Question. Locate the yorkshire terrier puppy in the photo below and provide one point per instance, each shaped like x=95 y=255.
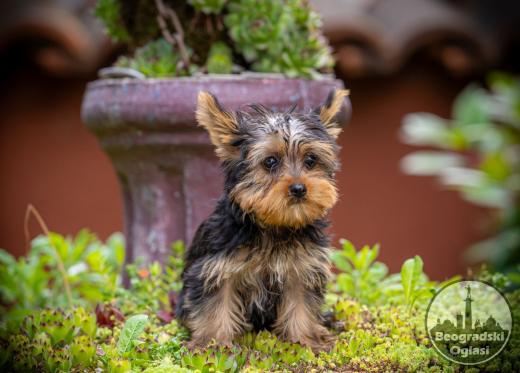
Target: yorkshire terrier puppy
x=260 y=261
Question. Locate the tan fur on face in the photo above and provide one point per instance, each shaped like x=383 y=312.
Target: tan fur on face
x=275 y=206
x=265 y=194
x=330 y=111
x=273 y=144
x=325 y=152
x=220 y=124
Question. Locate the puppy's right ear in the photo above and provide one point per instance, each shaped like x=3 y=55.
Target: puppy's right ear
x=334 y=112
x=221 y=125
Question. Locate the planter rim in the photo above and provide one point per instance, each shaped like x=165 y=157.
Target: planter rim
x=168 y=104
x=265 y=77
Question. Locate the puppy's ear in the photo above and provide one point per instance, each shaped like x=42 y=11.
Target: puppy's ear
x=221 y=125
x=334 y=112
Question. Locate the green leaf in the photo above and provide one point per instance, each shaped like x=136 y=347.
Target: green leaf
x=430 y=162
x=411 y=272
x=496 y=166
x=349 y=251
x=340 y=261
x=373 y=254
x=346 y=283
x=133 y=327
x=470 y=107
x=425 y=129
x=7 y=259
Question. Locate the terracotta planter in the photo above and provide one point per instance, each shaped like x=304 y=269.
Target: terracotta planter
x=168 y=172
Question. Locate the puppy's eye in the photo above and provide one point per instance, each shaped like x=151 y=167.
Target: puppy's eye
x=310 y=160
x=271 y=162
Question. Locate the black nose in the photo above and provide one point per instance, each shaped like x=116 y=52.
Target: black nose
x=298 y=190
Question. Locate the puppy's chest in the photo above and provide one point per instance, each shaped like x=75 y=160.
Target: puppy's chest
x=263 y=269
x=274 y=266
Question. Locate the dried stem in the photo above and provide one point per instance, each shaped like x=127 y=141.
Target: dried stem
x=166 y=13
x=31 y=210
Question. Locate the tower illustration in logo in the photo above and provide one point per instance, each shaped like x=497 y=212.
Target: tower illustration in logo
x=468 y=321
x=455 y=335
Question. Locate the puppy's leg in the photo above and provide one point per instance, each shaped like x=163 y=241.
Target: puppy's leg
x=221 y=316
x=299 y=317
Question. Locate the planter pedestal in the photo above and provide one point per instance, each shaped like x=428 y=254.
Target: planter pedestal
x=166 y=165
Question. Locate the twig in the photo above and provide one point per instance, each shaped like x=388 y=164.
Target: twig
x=61 y=267
x=209 y=25
x=165 y=13
x=218 y=22
x=194 y=21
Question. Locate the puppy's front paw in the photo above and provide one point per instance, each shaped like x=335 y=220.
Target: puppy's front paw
x=320 y=340
x=195 y=344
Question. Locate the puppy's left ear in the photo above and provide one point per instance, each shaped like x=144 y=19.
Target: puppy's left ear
x=221 y=124
x=334 y=112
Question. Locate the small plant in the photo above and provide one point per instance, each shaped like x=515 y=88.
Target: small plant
x=91 y=268
x=360 y=275
x=177 y=38
x=478 y=157
x=156 y=59
x=153 y=286
x=362 y=278
x=415 y=283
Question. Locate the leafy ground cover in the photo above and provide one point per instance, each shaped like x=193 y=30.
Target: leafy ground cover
x=98 y=325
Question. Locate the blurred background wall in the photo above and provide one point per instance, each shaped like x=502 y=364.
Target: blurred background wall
x=396 y=57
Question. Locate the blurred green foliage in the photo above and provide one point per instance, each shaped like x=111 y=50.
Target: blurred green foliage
x=221 y=36
x=110 y=12
x=220 y=59
x=378 y=319
x=479 y=156
x=35 y=281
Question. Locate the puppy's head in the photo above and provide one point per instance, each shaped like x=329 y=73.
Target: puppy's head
x=279 y=166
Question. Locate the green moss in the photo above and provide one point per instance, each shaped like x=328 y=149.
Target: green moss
x=133 y=329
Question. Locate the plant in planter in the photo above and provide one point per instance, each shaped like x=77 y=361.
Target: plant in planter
x=146 y=124
x=178 y=38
